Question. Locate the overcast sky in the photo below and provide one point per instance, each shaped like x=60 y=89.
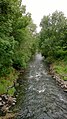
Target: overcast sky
x=39 y=8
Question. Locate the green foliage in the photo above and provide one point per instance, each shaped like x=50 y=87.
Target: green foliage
x=16 y=35
x=17 y=38
x=11 y=91
x=7 y=81
x=4 y=84
x=60 y=67
x=53 y=42
x=53 y=36
x=6 y=53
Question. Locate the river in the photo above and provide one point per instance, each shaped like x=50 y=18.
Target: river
x=39 y=96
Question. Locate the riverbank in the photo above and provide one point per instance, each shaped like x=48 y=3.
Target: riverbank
x=8 y=81
x=7 y=90
x=8 y=98
x=8 y=94
x=58 y=70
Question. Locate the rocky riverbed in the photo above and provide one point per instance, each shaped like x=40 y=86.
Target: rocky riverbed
x=40 y=96
x=6 y=102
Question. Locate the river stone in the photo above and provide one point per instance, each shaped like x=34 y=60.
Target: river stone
x=0 y=98
x=4 y=97
x=65 y=90
x=13 y=103
x=14 y=100
x=5 y=109
x=4 y=103
x=1 y=104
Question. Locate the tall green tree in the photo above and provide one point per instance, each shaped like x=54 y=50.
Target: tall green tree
x=53 y=35
x=16 y=35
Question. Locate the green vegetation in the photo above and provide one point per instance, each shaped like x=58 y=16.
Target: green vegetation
x=17 y=40
x=53 y=41
x=7 y=81
x=60 y=68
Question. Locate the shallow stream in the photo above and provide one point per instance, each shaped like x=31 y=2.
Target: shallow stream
x=40 y=97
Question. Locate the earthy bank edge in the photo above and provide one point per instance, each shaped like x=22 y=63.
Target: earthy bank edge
x=8 y=116
x=7 y=101
x=57 y=77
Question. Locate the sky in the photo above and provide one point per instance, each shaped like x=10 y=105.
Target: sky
x=39 y=8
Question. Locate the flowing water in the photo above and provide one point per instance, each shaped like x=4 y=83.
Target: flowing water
x=39 y=95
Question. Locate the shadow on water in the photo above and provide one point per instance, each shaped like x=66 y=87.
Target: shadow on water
x=39 y=97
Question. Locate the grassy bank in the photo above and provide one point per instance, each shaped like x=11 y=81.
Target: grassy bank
x=60 y=67
x=7 y=81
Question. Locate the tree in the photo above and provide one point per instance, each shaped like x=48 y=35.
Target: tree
x=16 y=35
x=53 y=35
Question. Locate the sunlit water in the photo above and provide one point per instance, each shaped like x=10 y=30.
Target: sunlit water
x=39 y=95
